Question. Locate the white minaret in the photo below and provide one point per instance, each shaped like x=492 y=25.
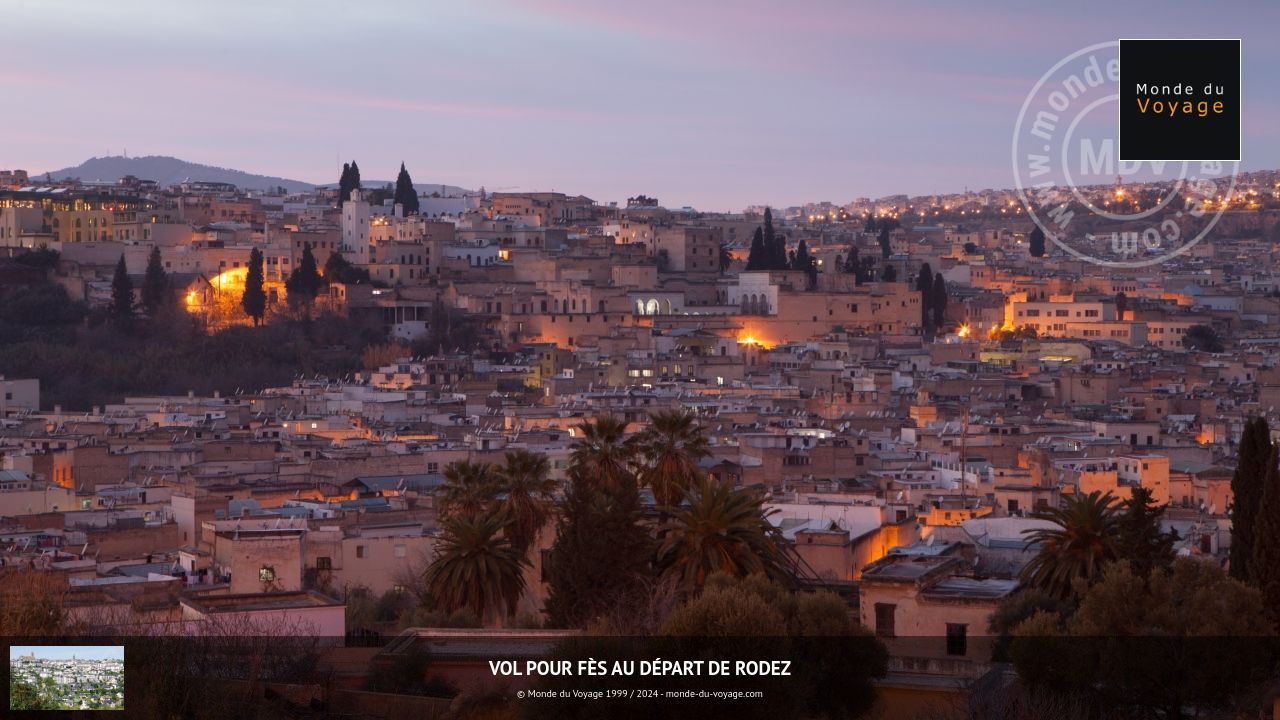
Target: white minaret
x=355 y=229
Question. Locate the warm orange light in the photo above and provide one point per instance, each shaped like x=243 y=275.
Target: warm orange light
x=964 y=331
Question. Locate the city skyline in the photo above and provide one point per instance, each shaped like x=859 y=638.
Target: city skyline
x=840 y=103
x=66 y=652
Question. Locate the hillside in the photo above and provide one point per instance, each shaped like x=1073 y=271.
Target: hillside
x=170 y=171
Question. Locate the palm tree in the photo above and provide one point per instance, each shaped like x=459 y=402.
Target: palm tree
x=671 y=447
x=1083 y=541
x=526 y=495
x=476 y=566
x=602 y=454
x=720 y=529
x=469 y=488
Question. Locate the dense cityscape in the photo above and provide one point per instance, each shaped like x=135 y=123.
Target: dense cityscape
x=386 y=412
x=581 y=360
x=48 y=683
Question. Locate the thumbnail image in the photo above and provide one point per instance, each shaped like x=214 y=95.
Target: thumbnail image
x=66 y=677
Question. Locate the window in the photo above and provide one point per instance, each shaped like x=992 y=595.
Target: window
x=324 y=563
x=957 y=639
x=884 y=619
x=267 y=574
x=399 y=551
x=360 y=551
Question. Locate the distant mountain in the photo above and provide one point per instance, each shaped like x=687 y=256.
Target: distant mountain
x=168 y=171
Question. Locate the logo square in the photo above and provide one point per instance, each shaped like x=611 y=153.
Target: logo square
x=1180 y=100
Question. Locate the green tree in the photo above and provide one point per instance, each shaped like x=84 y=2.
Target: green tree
x=349 y=181
x=602 y=555
x=1140 y=540
x=886 y=249
x=304 y=283
x=924 y=285
x=804 y=262
x=1265 y=567
x=22 y=696
x=774 y=245
x=1203 y=338
x=726 y=258
x=406 y=196
x=121 y=307
x=155 y=284
x=470 y=488
x=890 y=273
x=337 y=269
x=1190 y=637
x=938 y=300
x=834 y=661
x=526 y=495
x=39 y=257
x=728 y=609
x=1017 y=608
x=254 y=299
x=602 y=455
x=756 y=258
x=1083 y=541
x=476 y=567
x=671 y=448
x=1035 y=242
x=970 y=249
x=1246 y=489
x=720 y=529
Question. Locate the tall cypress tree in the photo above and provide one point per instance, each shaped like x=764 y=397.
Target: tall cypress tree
x=601 y=555
x=254 y=300
x=924 y=285
x=1140 y=541
x=851 y=260
x=801 y=259
x=885 y=249
x=155 y=284
x=1246 y=487
x=782 y=258
x=344 y=183
x=1265 y=565
x=775 y=247
x=1036 y=242
x=121 y=307
x=304 y=282
x=349 y=181
x=405 y=195
x=939 y=300
x=756 y=259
